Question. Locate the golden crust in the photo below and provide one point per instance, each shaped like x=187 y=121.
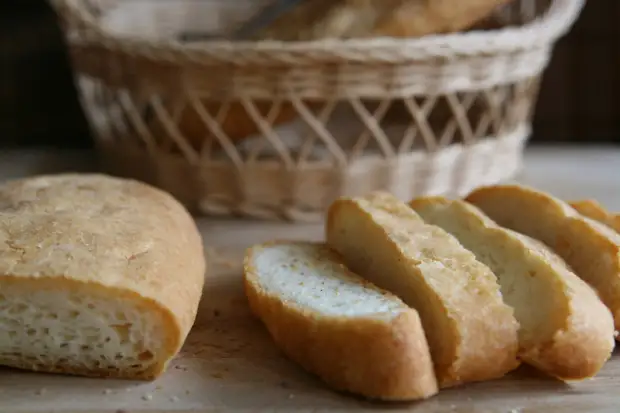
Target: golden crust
x=370 y=356
x=320 y=19
x=593 y=210
x=579 y=339
x=581 y=348
x=480 y=339
x=591 y=249
x=104 y=236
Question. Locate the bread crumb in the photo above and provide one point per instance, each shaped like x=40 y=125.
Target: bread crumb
x=147 y=397
x=107 y=391
x=174 y=399
x=41 y=392
x=290 y=396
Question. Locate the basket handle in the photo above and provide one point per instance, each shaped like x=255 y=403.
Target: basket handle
x=78 y=15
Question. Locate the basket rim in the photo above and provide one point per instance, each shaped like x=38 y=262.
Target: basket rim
x=541 y=32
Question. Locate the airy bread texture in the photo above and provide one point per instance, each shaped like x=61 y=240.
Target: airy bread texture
x=590 y=248
x=98 y=276
x=354 y=336
x=592 y=209
x=565 y=330
x=471 y=332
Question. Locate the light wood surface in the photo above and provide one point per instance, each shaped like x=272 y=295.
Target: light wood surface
x=229 y=363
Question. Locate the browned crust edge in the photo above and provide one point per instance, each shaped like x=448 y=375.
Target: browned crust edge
x=379 y=359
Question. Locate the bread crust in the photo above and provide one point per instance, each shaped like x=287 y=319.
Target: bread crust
x=579 y=339
x=479 y=341
x=108 y=237
x=372 y=356
x=319 y=19
x=590 y=248
x=593 y=210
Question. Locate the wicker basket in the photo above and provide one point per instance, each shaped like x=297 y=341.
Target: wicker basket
x=278 y=130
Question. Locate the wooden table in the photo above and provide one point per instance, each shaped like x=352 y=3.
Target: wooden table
x=229 y=363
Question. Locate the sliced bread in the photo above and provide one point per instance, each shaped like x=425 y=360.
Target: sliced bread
x=471 y=332
x=593 y=210
x=354 y=336
x=565 y=330
x=590 y=248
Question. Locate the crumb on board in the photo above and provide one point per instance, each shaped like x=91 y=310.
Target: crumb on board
x=174 y=399
x=107 y=391
x=180 y=367
x=147 y=397
x=41 y=391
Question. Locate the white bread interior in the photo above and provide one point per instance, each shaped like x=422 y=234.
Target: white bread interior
x=98 y=276
x=352 y=335
x=471 y=332
x=590 y=248
x=565 y=330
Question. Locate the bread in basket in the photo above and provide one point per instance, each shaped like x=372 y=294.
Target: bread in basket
x=439 y=114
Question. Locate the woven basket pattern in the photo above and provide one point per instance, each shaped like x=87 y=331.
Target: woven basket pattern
x=278 y=130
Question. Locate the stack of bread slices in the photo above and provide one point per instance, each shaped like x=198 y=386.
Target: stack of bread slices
x=405 y=299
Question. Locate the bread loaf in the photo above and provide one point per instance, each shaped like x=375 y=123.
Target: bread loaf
x=471 y=332
x=565 y=330
x=321 y=19
x=592 y=209
x=354 y=336
x=590 y=248
x=98 y=276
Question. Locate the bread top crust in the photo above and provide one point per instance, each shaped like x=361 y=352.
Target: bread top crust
x=474 y=216
x=547 y=204
x=106 y=232
x=591 y=248
x=479 y=329
x=593 y=210
x=578 y=318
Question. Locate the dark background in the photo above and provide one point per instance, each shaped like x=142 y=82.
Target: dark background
x=579 y=102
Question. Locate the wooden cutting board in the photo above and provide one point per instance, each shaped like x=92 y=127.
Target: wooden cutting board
x=229 y=363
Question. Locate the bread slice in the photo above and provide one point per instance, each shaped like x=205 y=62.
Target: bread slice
x=593 y=210
x=98 y=276
x=354 y=336
x=590 y=248
x=471 y=332
x=565 y=330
